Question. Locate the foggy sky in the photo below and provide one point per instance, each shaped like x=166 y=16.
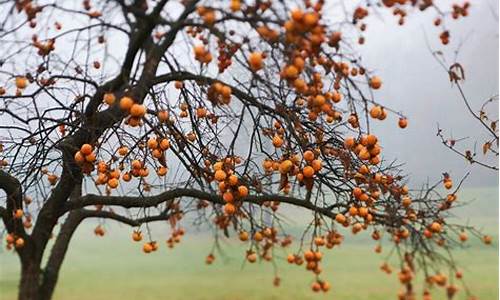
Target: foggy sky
x=415 y=84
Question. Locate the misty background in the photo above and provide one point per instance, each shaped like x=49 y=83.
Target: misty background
x=415 y=84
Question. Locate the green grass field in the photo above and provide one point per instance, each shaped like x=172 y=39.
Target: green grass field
x=113 y=267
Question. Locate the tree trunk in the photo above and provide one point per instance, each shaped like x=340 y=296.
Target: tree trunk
x=29 y=287
x=57 y=255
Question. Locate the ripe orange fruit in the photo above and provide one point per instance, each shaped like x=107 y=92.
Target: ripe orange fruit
x=375 y=82
x=162 y=116
x=448 y=184
x=308 y=171
x=19 y=243
x=243 y=236
x=136 y=164
x=137 y=110
x=152 y=143
x=147 y=248
x=136 y=236
x=126 y=103
x=340 y=218
x=310 y=19
x=255 y=61
x=226 y=91
x=162 y=171
x=258 y=236
x=403 y=122
x=228 y=197
x=308 y=155
x=209 y=259
x=229 y=208
x=371 y=140
x=316 y=164
x=109 y=98
x=220 y=175
x=10 y=238
x=242 y=191
x=201 y=112
x=179 y=85
x=126 y=177
x=52 y=179
x=86 y=149
x=435 y=227
x=233 y=180
x=113 y=183
x=297 y=15
x=291 y=72
x=164 y=144
x=235 y=5
x=277 y=141
x=21 y=82
x=18 y=213
x=285 y=166
x=349 y=142
x=199 y=50
x=316 y=287
x=252 y=257
x=79 y=158
x=123 y=151
x=376 y=112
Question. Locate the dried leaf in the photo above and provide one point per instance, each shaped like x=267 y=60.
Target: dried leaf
x=468 y=155
x=494 y=126
x=486 y=147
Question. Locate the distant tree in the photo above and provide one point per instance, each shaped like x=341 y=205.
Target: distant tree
x=144 y=111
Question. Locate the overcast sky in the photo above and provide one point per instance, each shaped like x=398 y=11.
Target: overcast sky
x=415 y=84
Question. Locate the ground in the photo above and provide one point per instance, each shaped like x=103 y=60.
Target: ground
x=113 y=267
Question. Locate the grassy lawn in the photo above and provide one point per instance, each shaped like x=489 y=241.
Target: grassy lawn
x=113 y=267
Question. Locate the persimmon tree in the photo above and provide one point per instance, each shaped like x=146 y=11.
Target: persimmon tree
x=148 y=111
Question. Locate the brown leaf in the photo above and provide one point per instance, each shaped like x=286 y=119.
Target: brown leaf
x=494 y=126
x=486 y=147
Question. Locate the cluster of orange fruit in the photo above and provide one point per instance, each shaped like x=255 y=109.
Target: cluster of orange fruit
x=202 y=55
x=201 y=112
x=219 y=93
x=14 y=241
x=303 y=28
x=86 y=158
x=366 y=148
x=378 y=112
x=175 y=238
x=313 y=259
x=229 y=184
x=134 y=110
x=150 y=247
x=107 y=176
x=52 y=178
x=303 y=169
x=158 y=146
x=19 y=214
